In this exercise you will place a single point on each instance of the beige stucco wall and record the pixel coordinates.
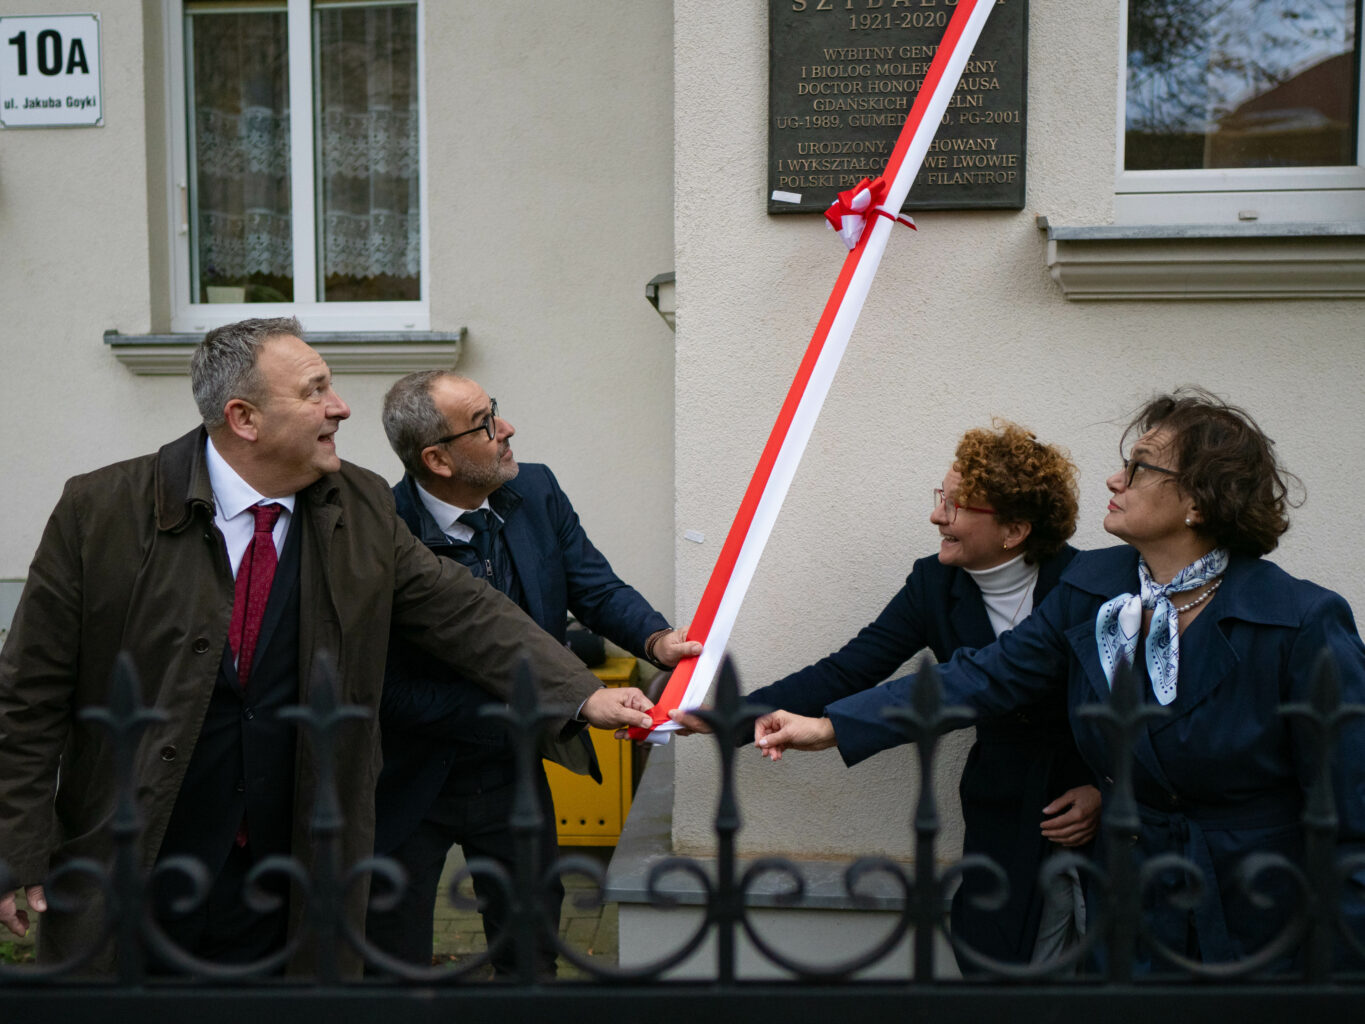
(74, 262)
(550, 173)
(551, 199)
(963, 324)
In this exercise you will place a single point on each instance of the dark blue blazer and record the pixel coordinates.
(1020, 762)
(429, 726)
(1221, 773)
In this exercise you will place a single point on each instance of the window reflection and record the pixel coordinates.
(1241, 83)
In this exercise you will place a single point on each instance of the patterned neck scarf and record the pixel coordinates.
(1120, 621)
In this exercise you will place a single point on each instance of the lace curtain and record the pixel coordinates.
(240, 141)
(368, 149)
(368, 212)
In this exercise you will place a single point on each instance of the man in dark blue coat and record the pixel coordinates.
(448, 772)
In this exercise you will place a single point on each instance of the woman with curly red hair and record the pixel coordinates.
(1004, 512)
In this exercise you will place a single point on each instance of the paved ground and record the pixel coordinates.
(590, 929)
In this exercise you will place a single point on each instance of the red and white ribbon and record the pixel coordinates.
(849, 213)
(734, 569)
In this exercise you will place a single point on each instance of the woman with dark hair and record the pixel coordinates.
(1004, 513)
(1220, 637)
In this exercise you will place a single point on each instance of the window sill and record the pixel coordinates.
(365, 352)
(1255, 261)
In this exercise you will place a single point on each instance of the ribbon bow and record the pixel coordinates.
(849, 213)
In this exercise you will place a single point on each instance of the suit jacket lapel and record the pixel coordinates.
(523, 549)
(286, 578)
(1050, 573)
(1206, 655)
(968, 622)
(1103, 575)
(1206, 658)
(1082, 639)
(1113, 572)
(1083, 645)
(319, 515)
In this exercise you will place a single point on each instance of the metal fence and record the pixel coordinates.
(1297, 972)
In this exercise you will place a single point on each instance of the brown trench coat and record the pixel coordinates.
(130, 560)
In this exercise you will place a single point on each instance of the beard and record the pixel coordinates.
(485, 474)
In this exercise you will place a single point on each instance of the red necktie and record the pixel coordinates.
(252, 591)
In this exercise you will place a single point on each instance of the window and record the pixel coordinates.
(321, 216)
(1240, 110)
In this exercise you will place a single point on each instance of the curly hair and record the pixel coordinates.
(1024, 480)
(1226, 463)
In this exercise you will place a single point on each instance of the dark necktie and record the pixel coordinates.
(252, 589)
(484, 525)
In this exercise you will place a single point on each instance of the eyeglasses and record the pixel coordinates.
(940, 498)
(488, 425)
(1132, 466)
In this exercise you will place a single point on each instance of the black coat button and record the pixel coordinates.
(168, 753)
(248, 713)
(241, 785)
(201, 645)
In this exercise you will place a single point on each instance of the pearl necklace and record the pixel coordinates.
(1201, 598)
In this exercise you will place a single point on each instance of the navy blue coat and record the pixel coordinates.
(1019, 763)
(1222, 773)
(428, 725)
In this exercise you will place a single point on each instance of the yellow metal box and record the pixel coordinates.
(589, 814)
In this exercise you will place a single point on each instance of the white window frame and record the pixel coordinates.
(1232, 195)
(198, 317)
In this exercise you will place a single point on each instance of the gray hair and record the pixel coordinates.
(411, 419)
(223, 367)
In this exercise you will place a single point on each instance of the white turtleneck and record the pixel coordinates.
(1007, 591)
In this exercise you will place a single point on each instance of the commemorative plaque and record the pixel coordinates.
(843, 75)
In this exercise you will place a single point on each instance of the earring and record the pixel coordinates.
(1187, 521)
(1007, 545)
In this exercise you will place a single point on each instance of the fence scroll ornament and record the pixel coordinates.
(1122, 890)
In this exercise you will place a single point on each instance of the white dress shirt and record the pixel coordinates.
(447, 516)
(233, 499)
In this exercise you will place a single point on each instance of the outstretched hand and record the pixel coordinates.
(617, 707)
(781, 730)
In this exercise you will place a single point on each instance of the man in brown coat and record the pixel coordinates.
(143, 557)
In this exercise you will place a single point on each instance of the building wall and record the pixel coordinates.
(74, 262)
(551, 197)
(550, 173)
(963, 324)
